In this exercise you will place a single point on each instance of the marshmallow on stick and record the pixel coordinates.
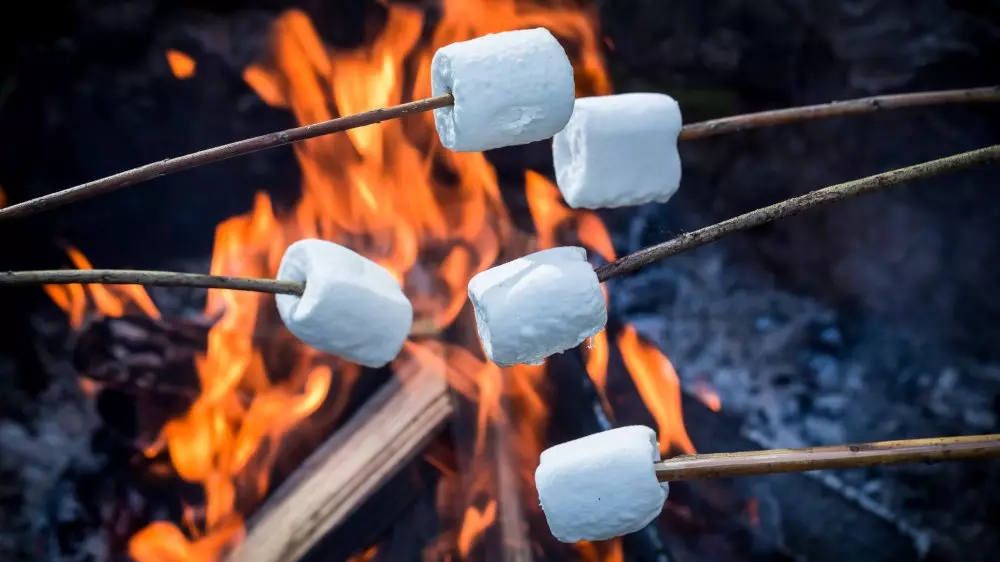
(619, 151)
(601, 486)
(351, 306)
(538, 305)
(510, 88)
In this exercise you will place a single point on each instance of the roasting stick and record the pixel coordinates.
(622, 266)
(858, 106)
(150, 278)
(691, 131)
(776, 461)
(600, 485)
(790, 207)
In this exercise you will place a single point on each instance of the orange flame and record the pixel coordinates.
(707, 395)
(433, 217)
(657, 382)
(608, 551)
(475, 524)
(181, 65)
(551, 218)
(111, 300)
(367, 556)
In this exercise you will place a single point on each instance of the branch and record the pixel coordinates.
(617, 268)
(859, 106)
(152, 278)
(776, 461)
(281, 138)
(218, 154)
(794, 206)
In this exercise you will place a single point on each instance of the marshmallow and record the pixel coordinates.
(351, 306)
(538, 305)
(602, 485)
(510, 88)
(619, 151)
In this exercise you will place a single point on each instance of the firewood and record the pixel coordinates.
(381, 438)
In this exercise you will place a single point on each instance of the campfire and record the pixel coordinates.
(434, 218)
(277, 451)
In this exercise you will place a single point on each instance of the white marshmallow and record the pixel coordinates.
(538, 305)
(618, 151)
(602, 485)
(510, 88)
(351, 307)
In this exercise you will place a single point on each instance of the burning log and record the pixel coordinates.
(281, 138)
(381, 438)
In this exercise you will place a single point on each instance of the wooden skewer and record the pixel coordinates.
(622, 266)
(684, 242)
(836, 109)
(150, 278)
(777, 461)
(218, 154)
(273, 140)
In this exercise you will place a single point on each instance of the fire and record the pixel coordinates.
(753, 511)
(111, 300)
(434, 218)
(181, 65)
(657, 382)
(473, 525)
(707, 395)
(550, 216)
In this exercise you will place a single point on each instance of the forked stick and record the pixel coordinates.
(777, 461)
(624, 265)
(281, 138)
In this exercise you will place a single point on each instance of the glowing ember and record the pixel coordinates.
(366, 556)
(434, 218)
(753, 511)
(181, 65)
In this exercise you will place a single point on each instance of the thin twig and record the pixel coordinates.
(859, 106)
(794, 206)
(273, 140)
(776, 461)
(153, 278)
(218, 154)
(617, 268)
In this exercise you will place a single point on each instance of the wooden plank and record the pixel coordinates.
(381, 439)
